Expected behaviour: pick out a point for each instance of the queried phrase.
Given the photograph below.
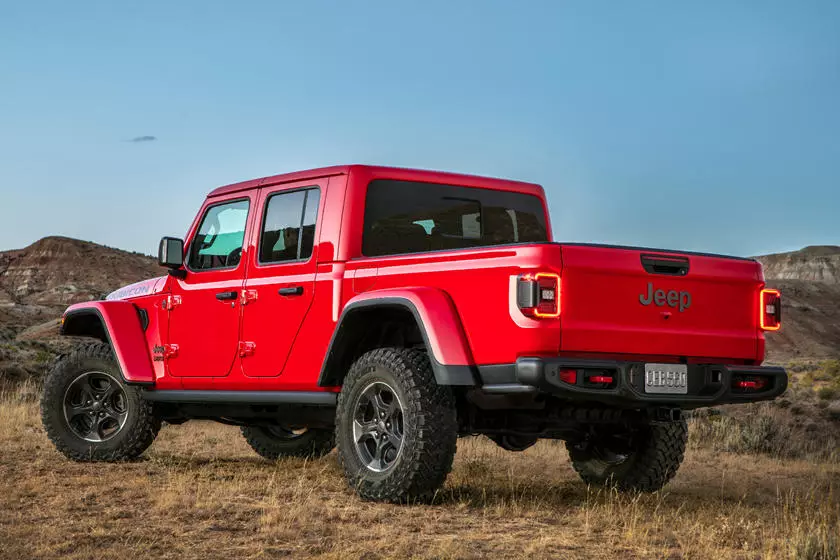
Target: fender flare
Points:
(439, 324)
(120, 324)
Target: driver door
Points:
(204, 311)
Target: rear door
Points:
(632, 301)
(281, 275)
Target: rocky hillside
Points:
(57, 271)
(39, 281)
(817, 263)
(809, 280)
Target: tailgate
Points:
(647, 301)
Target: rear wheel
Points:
(90, 414)
(644, 460)
(273, 442)
(395, 427)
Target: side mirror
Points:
(171, 252)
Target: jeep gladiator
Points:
(387, 311)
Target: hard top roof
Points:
(421, 175)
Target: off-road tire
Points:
(311, 444)
(660, 448)
(430, 430)
(136, 435)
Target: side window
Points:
(218, 242)
(288, 232)
(409, 217)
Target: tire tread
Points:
(141, 433)
(418, 476)
(313, 444)
(653, 466)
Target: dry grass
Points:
(201, 493)
(803, 424)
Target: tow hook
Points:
(665, 415)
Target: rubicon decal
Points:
(137, 289)
(671, 298)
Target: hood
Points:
(138, 289)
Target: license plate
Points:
(666, 378)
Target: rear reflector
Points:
(770, 310)
(600, 379)
(568, 376)
(538, 295)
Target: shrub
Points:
(831, 368)
(765, 429)
(826, 393)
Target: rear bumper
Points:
(708, 384)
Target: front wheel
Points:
(396, 428)
(643, 460)
(90, 414)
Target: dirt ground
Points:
(200, 492)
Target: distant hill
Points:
(809, 280)
(39, 281)
(817, 263)
(57, 271)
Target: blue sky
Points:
(711, 126)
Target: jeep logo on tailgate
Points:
(672, 298)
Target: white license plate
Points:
(666, 378)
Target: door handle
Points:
(291, 291)
(226, 296)
(675, 266)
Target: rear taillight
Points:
(538, 295)
(770, 310)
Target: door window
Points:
(288, 232)
(218, 242)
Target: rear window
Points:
(409, 217)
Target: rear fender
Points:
(439, 324)
(120, 324)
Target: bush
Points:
(831, 369)
(758, 434)
(826, 393)
(766, 429)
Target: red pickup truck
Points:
(387, 311)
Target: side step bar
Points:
(317, 398)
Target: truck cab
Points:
(360, 306)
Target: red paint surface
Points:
(126, 336)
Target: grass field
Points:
(200, 492)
